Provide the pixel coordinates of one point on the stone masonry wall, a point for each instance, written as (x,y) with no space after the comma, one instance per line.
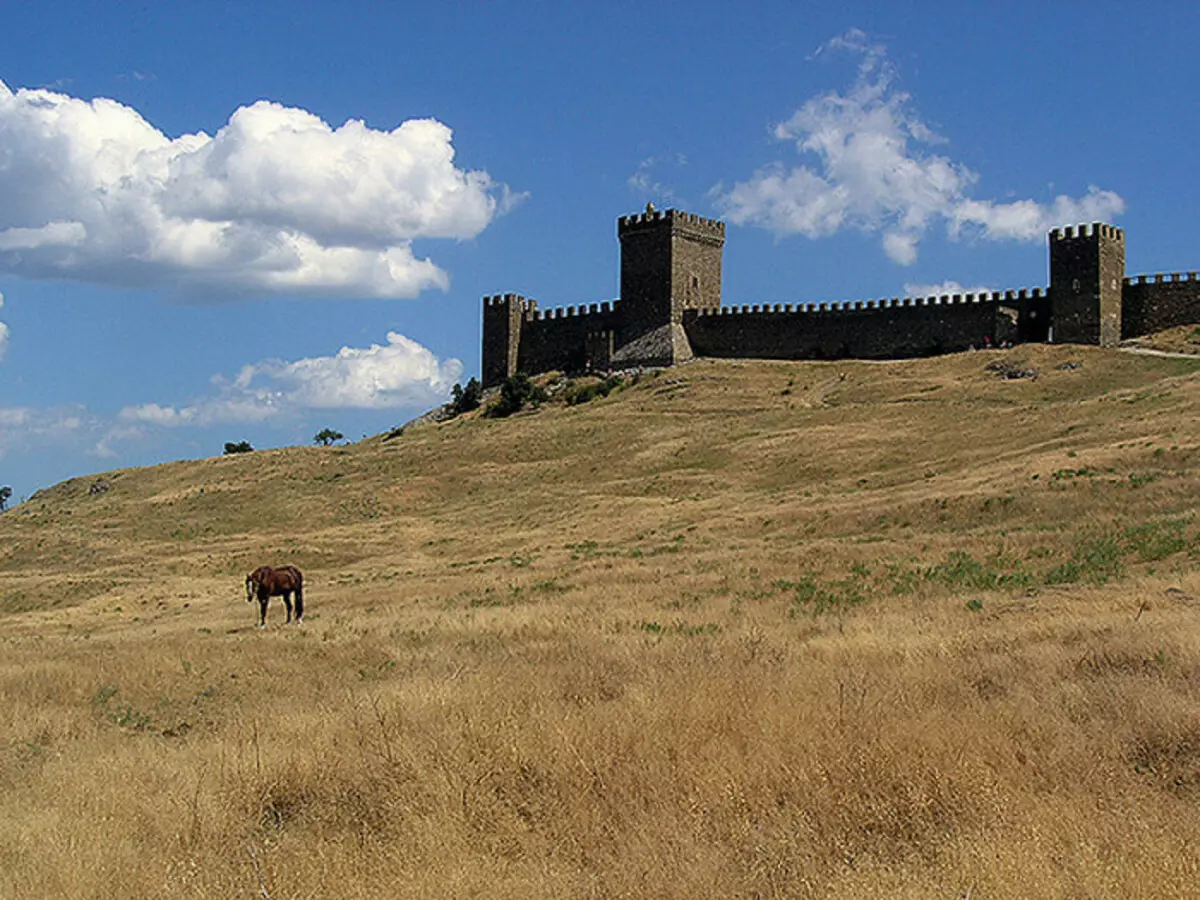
(559,338)
(884,329)
(1156,302)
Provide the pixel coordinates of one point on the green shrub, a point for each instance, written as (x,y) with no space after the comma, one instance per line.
(515,391)
(587,392)
(1156,540)
(1096,559)
(816,598)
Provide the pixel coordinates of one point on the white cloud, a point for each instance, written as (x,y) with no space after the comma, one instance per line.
(276,201)
(943,289)
(401,373)
(104,449)
(1026,220)
(20,426)
(3,332)
(872,174)
(645,183)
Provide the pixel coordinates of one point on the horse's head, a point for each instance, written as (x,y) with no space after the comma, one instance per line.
(253,580)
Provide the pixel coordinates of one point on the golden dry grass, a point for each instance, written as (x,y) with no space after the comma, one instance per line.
(741,630)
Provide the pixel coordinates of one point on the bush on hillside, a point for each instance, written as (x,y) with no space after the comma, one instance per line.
(240,447)
(515,392)
(583,393)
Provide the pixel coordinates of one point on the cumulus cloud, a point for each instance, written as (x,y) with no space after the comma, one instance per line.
(873,172)
(943,289)
(3,332)
(401,373)
(276,201)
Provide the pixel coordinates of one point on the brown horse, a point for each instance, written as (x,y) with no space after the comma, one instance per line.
(265,583)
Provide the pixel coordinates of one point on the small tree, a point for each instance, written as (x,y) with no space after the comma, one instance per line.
(466,398)
(240,447)
(5,493)
(327,436)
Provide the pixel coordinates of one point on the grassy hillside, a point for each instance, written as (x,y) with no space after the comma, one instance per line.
(757,629)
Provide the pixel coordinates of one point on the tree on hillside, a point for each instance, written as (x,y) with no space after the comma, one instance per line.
(240,447)
(327,436)
(5,493)
(465,399)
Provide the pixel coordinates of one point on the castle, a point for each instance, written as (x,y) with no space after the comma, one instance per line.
(670,309)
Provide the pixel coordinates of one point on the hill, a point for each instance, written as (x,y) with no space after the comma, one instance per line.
(925,628)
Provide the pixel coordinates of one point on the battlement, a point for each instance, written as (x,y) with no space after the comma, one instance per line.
(500,300)
(1096,229)
(1020,296)
(1160,278)
(671,218)
(572,312)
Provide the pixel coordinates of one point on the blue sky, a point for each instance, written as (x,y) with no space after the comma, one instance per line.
(252,221)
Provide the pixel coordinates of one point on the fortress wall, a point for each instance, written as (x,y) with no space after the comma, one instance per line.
(1154,302)
(873,329)
(559,338)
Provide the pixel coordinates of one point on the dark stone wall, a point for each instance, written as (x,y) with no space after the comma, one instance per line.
(867,331)
(670,261)
(645,276)
(1156,302)
(502,318)
(561,338)
(1087,269)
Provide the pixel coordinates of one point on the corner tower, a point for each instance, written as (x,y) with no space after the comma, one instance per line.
(670,261)
(1087,270)
(503,316)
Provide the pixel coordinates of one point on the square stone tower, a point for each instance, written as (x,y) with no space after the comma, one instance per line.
(503,317)
(1087,271)
(670,261)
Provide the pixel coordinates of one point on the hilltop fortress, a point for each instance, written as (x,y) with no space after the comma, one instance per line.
(670,309)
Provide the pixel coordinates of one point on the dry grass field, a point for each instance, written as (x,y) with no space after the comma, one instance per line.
(741,629)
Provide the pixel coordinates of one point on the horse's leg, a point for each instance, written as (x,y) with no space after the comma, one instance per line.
(287,601)
(299,605)
(263,603)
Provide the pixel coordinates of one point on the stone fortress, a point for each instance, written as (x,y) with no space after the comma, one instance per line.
(670,309)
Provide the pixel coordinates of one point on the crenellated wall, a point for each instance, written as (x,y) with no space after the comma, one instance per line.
(870,329)
(670,309)
(559,338)
(1156,302)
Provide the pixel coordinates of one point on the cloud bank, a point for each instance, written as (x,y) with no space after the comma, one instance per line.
(277,201)
(22,426)
(401,373)
(871,172)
